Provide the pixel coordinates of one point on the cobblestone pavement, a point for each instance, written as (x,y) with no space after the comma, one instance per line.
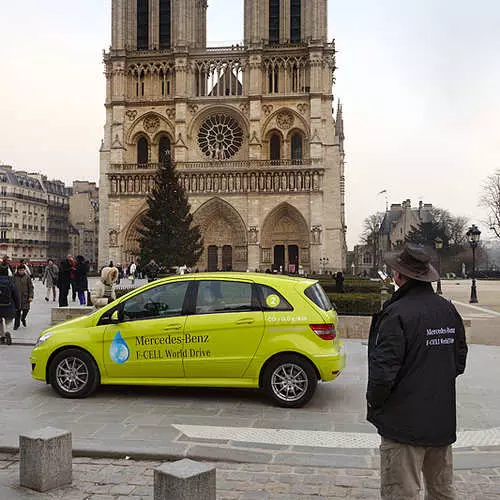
(108,479)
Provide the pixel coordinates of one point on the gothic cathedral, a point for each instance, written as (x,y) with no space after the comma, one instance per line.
(249,127)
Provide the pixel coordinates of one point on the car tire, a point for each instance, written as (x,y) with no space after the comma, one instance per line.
(290,381)
(73,374)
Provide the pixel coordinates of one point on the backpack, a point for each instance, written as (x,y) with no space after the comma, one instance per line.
(5,294)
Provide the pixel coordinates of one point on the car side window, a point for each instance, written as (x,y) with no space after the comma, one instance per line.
(272,300)
(163,301)
(220,296)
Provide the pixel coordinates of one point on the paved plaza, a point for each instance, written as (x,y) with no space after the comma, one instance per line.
(325,450)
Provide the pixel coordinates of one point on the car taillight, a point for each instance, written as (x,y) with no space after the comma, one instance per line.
(325,331)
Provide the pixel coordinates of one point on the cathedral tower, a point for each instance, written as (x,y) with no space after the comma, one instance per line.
(250,129)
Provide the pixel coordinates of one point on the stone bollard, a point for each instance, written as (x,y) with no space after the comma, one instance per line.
(184,480)
(45,459)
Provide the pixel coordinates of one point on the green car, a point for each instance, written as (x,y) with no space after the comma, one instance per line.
(273,332)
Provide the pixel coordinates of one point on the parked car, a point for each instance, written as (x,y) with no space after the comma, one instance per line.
(245,330)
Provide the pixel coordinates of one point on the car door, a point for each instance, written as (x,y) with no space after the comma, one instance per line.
(223,334)
(147,341)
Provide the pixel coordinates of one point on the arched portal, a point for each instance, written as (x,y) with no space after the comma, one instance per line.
(285,240)
(224,235)
(131,247)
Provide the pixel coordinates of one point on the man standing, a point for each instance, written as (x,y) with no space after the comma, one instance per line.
(64,280)
(24,285)
(416,349)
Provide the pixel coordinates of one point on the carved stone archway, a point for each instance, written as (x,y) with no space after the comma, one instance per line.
(131,239)
(285,239)
(222,227)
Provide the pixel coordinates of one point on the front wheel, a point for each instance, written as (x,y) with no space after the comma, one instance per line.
(73,374)
(290,381)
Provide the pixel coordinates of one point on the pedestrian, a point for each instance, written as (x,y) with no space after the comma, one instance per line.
(81,280)
(152,270)
(27,267)
(5,262)
(416,349)
(64,280)
(72,280)
(131,272)
(49,278)
(120,273)
(9,303)
(24,285)
(339,283)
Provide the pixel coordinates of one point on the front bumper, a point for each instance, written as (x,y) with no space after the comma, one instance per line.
(37,368)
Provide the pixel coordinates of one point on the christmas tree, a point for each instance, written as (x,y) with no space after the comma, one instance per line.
(167,234)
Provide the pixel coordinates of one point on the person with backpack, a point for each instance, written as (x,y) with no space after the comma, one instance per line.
(24,285)
(9,303)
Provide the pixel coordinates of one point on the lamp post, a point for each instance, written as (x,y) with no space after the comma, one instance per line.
(438,244)
(473,235)
(323,262)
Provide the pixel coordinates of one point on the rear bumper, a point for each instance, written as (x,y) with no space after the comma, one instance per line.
(330,366)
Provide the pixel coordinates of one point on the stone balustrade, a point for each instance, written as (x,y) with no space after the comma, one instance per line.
(222,177)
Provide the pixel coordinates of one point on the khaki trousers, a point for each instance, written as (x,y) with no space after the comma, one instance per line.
(401,466)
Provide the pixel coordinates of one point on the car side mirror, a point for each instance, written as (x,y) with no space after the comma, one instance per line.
(115,317)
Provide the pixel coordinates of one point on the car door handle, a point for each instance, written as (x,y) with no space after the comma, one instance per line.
(245,321)
(173,327)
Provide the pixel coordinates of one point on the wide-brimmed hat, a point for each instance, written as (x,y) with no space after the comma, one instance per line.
(413,261)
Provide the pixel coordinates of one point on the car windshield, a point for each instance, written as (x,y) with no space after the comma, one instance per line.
(319,297)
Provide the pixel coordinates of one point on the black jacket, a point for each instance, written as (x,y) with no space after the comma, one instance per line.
(416,349)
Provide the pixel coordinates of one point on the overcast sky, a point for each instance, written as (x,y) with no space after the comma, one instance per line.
(419,80)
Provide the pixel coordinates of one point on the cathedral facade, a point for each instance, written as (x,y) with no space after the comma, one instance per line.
(250,129)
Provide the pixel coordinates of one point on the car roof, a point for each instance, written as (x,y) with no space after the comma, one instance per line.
(259,277)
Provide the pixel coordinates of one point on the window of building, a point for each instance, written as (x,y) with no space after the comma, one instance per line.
(164,151)
(142,151)
(274,21)
(297,146)
(165,23)
(275,147)
(295,21)
(142,24)
(273,81)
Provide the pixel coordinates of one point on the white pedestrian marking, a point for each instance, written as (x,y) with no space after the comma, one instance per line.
(320,439)
(477,308)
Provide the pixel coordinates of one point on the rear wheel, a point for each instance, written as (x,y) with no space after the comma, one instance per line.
(290,381)
(74,374)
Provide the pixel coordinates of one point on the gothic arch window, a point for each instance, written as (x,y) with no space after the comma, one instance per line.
(297,146)
(295,21)
(274,21)
(139,84)
(275,148)
(165,24)
(142,151)
(142,24)
(274,80)
(164,149)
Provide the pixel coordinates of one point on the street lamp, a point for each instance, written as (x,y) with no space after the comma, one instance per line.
(438,244)
(323,262)
(473,235)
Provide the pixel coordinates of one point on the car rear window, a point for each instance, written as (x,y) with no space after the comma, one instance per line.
(272,300)
(319,297)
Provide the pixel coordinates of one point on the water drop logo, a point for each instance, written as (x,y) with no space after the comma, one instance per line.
(118,350)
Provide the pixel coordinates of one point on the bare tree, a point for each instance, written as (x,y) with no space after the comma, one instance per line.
(371,236)
(490,199)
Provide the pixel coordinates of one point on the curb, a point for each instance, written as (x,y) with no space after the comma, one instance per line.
(468,459)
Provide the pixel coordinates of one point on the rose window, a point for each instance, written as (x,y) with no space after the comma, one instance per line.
(220,137)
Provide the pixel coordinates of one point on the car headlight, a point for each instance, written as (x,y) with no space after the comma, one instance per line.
(43,338)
